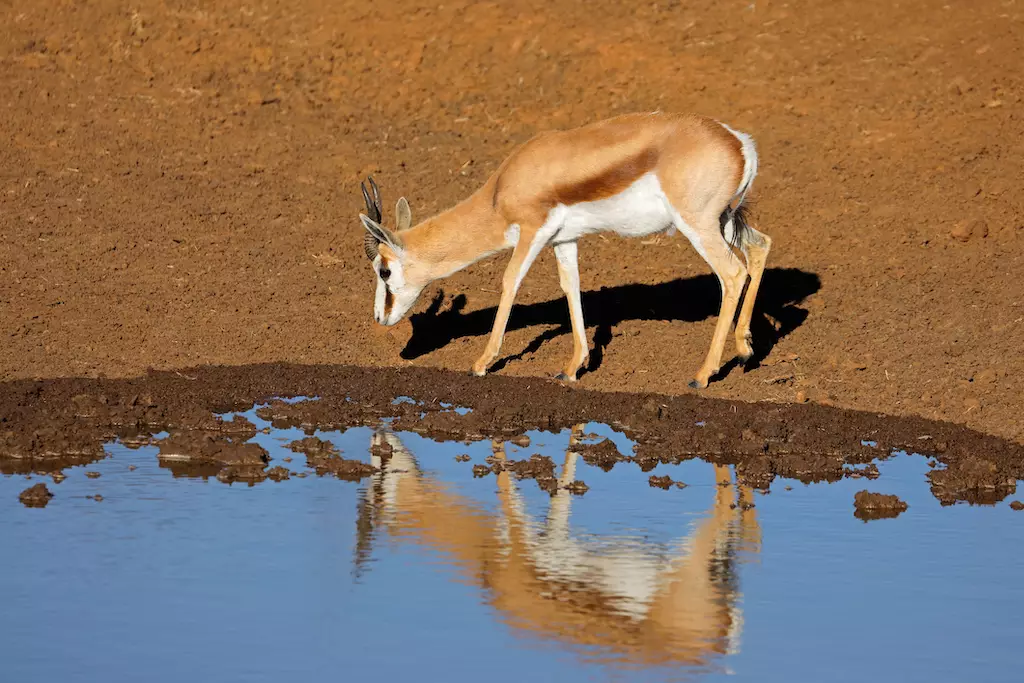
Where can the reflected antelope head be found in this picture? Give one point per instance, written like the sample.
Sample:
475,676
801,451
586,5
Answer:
638,602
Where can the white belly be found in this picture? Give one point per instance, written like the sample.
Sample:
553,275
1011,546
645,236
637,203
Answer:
641,209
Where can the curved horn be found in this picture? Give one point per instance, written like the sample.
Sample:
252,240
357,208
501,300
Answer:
374,208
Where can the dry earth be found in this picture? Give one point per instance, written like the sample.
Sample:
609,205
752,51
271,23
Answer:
179,186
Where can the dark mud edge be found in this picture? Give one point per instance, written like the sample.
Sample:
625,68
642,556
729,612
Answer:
48,425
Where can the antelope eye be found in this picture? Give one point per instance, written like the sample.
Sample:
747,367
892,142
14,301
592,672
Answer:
385,273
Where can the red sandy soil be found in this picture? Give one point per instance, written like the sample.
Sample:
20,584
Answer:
179,186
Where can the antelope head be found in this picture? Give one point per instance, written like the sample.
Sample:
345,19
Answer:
397,283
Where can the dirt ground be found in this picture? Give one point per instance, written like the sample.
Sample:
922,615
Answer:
179,186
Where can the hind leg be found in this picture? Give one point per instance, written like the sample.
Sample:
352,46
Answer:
732,275
755,248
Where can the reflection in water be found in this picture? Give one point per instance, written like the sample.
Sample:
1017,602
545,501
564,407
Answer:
622,600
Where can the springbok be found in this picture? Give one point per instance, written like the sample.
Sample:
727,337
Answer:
625,600
634,175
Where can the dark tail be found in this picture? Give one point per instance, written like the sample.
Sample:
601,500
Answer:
740,217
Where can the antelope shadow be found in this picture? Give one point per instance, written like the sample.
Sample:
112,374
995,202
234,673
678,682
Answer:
776,314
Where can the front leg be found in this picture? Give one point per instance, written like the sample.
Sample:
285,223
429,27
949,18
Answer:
569,278
525,253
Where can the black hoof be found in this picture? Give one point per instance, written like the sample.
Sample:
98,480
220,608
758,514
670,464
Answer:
562,377
745,359
694,384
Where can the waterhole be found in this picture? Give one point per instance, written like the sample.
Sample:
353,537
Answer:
317,538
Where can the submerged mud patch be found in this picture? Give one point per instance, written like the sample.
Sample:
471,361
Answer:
50,425
868,506
36,496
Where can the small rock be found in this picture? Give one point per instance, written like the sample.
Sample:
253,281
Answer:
97,497
462,457
93,475
35,496
959,86
965,230
523,441
1017,505
58,477
801,396
131,468
481,470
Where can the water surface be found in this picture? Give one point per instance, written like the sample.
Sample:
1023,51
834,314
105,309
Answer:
425,572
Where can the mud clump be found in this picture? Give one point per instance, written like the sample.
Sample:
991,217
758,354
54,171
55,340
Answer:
664,482
576,488
1017,505
869,471
868,506
312,447
92,475
538,467
325,458
756,473
247,474
35,496
480,471
464,457
603,454
205,454
977,481
278,473
205,447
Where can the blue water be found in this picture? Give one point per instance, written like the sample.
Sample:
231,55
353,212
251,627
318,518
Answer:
466,579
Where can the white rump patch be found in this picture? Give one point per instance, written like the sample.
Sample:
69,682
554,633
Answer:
749,152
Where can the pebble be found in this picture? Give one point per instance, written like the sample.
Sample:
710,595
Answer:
965,230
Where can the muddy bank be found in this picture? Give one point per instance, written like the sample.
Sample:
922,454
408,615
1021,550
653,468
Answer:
46,426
